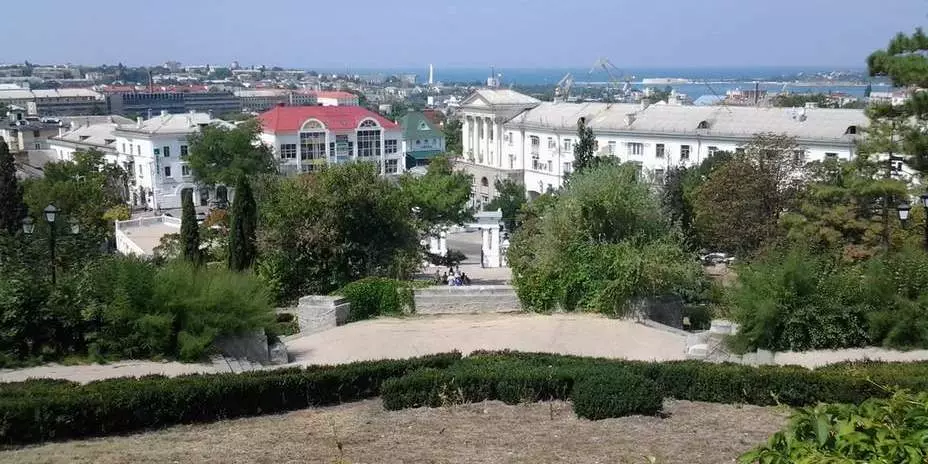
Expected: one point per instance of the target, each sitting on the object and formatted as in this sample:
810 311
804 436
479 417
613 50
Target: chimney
629 119
138 122
164 113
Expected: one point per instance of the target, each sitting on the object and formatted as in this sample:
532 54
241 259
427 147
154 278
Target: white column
465 136
494 247
443 243
486 140
486 246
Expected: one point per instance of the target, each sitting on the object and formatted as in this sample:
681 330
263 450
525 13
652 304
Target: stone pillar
443 243
486 140
465 136
493 252
485 233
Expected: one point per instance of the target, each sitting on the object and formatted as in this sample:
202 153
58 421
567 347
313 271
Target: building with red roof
305 138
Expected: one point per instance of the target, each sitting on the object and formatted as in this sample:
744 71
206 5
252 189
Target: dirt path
694 433
580 334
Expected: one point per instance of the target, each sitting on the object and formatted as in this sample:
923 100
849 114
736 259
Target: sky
327 34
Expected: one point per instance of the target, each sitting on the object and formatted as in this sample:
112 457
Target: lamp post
924 199
51 217
903 210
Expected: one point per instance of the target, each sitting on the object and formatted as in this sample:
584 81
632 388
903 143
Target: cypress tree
244 223
189 229
11 197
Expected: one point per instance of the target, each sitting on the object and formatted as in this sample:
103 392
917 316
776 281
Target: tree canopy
510 196
219 154
601 244
440 197
452 132
11 197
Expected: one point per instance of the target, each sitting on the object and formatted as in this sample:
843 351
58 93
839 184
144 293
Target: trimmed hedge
516 377
64 410
616 394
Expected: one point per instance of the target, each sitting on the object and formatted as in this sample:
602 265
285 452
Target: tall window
684 152
389 148
635 148
509 139
165 150
392 166
184 170
551 143
659 176
712 150
611 147
312 145
183 151
167 171
342 146
659 150
536 144
567 145
288 151
369 143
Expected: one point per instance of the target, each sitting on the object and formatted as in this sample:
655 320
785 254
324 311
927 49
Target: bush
375 296
797 300
602 245
66 411
616 394
891 430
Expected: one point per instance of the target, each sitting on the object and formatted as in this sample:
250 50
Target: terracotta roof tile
284 119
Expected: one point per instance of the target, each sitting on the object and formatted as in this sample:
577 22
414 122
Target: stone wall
252 347
317 313
468 299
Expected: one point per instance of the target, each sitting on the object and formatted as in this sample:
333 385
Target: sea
694 82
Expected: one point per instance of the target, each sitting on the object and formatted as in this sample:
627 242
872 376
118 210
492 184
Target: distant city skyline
411 34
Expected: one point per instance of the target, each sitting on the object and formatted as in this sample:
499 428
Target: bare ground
491 432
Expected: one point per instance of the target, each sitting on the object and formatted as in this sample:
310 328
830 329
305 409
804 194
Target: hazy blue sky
471 33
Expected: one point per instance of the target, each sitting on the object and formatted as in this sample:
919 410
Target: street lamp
924 198
51 217
903 211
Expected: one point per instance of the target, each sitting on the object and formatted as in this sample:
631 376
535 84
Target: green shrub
123 405
616 393
375 296
893 430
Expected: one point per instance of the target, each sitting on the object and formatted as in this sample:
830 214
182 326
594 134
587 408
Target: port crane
616 76
562 91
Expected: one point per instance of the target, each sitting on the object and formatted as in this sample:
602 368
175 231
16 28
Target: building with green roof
422 139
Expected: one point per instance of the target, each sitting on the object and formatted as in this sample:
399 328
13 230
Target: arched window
703 125
312 125
485 182
369 123
851 130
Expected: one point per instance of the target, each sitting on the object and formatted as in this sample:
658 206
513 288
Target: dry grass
491 432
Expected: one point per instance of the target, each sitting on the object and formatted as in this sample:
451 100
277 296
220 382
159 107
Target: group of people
452 278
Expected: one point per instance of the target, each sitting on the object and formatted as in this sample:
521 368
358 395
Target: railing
145 221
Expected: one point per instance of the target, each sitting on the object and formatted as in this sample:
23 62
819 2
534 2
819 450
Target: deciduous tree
452 131
510 196
220 154
440 197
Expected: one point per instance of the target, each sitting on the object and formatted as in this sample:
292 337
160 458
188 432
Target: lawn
363 432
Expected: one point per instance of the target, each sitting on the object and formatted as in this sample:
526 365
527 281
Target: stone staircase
234 365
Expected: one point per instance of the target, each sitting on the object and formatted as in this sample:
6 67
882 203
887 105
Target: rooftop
500 97
166 123
803 123
23 94
339 95
416 126
283 119
100 135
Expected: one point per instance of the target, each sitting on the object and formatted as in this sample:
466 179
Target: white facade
537 143
305 139
154 152
325 98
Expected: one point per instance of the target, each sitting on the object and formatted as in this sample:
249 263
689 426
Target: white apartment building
87 133
154 152
534 144
336 98
305 138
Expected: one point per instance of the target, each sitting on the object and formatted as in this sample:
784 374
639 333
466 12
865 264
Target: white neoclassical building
534 144
305 138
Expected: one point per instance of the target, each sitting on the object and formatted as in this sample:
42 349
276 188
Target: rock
278 353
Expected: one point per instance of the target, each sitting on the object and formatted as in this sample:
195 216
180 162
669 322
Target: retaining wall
317 313
470 299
